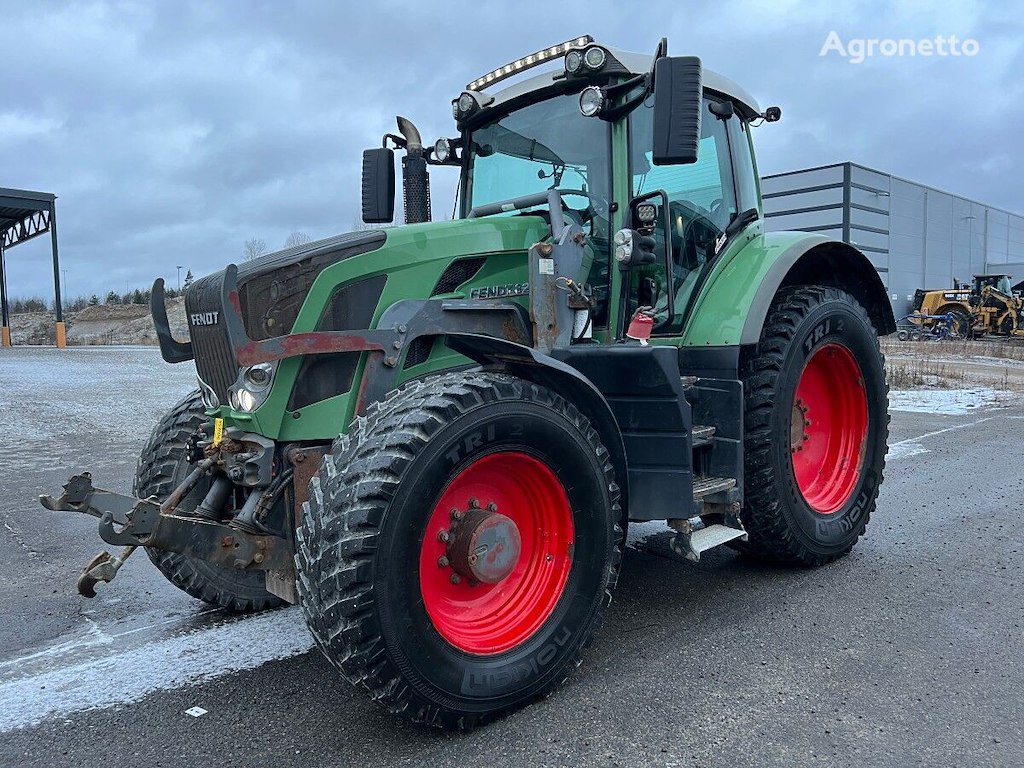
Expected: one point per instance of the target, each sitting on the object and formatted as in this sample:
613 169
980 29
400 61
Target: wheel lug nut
474 504
442 535
442 562
455 578
492 507
456 515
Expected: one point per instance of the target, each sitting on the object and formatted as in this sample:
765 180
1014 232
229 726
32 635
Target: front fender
533 365
734 302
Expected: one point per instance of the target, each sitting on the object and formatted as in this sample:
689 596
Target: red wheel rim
828 428
487 618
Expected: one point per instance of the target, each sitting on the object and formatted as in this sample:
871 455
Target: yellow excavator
988 305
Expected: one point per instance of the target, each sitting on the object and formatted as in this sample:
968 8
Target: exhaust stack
415 178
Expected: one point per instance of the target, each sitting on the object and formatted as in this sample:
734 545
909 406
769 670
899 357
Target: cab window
702 202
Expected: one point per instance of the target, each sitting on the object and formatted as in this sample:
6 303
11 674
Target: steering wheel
597 206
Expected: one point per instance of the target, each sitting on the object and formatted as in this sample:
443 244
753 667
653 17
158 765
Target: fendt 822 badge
441 473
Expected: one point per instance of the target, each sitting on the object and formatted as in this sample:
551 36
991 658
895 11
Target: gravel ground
907 652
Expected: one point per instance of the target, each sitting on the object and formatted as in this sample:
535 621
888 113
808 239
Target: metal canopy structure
24 215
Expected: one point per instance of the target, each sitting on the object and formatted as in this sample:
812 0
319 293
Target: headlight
573 62
623 246
259 376
442 150
252 387
595 57
591 101
244 400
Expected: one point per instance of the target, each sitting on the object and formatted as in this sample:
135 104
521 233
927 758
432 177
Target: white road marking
903 450
121 677
912 445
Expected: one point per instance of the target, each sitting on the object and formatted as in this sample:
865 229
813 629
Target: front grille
267 291
215 360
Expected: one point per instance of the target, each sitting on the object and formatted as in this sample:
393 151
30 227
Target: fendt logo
500 291
204 318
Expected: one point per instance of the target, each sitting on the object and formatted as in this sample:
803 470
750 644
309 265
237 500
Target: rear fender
734 303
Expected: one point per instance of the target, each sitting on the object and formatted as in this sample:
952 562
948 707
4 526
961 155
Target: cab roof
636 64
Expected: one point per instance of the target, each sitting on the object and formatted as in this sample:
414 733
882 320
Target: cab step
706 486
691 545
701 435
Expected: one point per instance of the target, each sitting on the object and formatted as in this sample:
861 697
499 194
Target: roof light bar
528 62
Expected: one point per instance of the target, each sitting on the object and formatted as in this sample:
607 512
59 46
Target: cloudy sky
174 131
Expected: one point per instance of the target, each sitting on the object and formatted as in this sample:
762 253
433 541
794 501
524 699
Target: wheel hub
483 545
798 426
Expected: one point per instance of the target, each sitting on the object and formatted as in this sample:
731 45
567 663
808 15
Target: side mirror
678 91
378 186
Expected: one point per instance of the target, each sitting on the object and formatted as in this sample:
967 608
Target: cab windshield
545 145
542 146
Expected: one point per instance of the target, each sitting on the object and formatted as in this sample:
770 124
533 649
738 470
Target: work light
595 57
442 150
528 62
591 101
573 62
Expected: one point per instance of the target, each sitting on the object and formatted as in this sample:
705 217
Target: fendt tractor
433 437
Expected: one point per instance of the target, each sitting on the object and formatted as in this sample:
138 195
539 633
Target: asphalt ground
906 652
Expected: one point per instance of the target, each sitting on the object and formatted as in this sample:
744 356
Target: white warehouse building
916 236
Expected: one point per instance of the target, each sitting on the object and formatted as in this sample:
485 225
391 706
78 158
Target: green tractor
433 437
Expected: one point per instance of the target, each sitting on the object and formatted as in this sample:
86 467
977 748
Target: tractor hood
269 292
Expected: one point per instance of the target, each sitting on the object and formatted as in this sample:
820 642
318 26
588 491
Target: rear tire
162 466
414 629
816 425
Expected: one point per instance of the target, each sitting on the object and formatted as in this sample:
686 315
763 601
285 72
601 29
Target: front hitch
130 523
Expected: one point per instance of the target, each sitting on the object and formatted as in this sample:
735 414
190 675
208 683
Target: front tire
816 425
162 466
459 547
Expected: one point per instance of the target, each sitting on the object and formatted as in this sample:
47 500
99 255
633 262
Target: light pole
179 278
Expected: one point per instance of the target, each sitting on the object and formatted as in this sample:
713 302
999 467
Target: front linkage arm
130 523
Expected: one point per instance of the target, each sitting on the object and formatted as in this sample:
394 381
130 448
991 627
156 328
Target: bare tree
255 248
297 238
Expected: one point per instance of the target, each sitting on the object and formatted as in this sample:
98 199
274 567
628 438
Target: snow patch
947 402
123 676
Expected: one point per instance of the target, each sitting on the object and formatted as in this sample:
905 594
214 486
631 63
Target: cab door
702 199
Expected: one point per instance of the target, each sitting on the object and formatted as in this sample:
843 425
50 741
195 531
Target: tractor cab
646 144
1000 282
